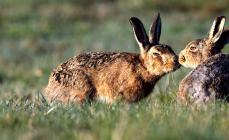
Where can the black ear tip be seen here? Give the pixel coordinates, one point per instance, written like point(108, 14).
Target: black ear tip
point(131, 19)
point(221, 18)
point(158, 16)
point(134, 19)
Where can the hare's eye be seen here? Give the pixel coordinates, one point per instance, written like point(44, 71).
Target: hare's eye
point(156, 54)
point(193, 48)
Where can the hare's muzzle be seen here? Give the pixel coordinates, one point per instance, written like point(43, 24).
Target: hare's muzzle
point(181, 59)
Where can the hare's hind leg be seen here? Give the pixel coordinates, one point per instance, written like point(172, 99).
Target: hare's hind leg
point(75, 87)
point(82, 87)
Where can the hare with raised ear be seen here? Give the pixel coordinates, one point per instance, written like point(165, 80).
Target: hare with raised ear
point(210, 78)
point(108, 76)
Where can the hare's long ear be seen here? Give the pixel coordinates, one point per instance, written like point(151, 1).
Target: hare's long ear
point(216, 29)
point(155, 30)
point(140, 34)
point(223, 40)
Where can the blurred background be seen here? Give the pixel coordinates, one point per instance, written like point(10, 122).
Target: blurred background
point(37, 35)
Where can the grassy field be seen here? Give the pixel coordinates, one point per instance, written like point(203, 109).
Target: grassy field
point(37, 35)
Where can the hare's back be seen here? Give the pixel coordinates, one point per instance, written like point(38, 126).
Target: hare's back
point(94, 60)
point(91, 66)
point(215, 66)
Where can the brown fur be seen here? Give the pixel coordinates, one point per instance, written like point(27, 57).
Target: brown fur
point(113, 76)
point(109, 76)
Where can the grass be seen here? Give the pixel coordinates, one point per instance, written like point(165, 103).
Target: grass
point(160, 117)
point(35, 36)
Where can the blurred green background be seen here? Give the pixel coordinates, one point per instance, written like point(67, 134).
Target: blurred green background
point(37, 35)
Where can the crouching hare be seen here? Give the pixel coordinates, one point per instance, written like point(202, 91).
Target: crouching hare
point(108, 76)
point(210, 78)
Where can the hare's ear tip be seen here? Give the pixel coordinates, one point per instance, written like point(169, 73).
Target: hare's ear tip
point(158, 15)
point(221, 17)
point(132, 19)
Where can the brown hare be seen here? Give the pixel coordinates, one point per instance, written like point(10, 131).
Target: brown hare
point(108, 76)
point(210, 78)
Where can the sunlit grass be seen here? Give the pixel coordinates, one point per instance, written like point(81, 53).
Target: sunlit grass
point(154, 118)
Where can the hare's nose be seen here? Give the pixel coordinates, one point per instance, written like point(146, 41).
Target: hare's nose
point(181, 59)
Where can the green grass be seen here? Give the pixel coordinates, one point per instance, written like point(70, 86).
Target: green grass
point(159, 117)
point(37, 35)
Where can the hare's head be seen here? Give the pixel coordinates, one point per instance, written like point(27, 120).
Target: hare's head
point(199, 50)
point(158, 58)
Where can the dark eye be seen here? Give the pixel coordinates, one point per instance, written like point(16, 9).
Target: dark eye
point(193, 48)
point(156, 54)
